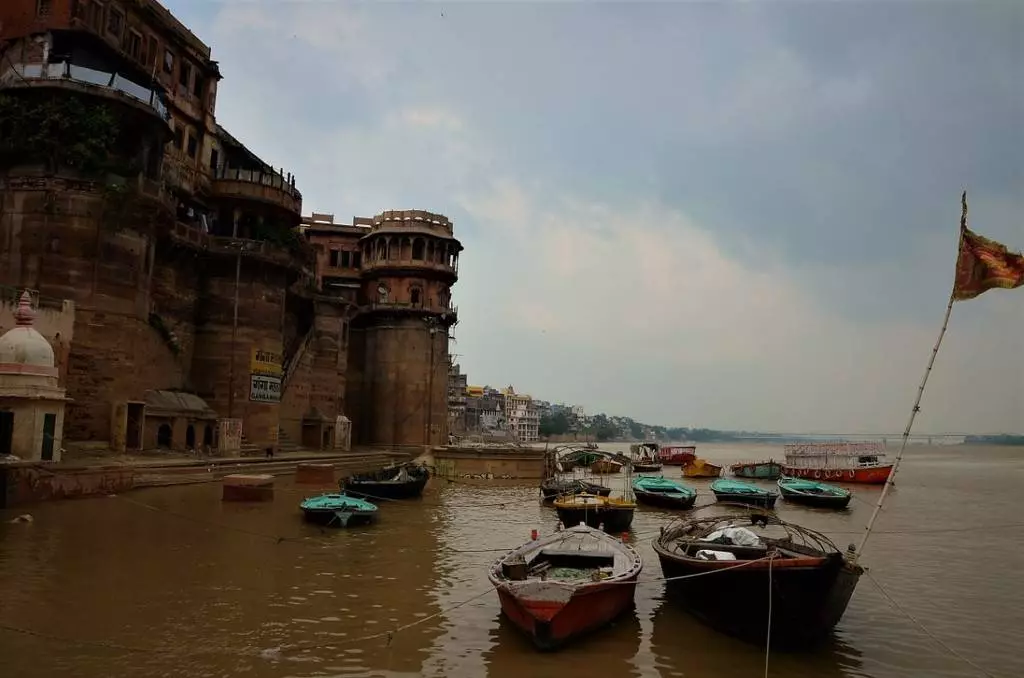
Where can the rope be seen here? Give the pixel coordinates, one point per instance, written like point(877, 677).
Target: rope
point(925, 630)
point(768, 639)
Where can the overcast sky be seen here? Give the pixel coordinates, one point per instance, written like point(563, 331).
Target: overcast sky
point(732, 215)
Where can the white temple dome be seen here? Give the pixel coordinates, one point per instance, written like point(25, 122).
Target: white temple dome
point(23, 345)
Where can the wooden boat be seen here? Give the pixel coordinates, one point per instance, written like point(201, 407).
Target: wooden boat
point(838, 461)
point(739, 492)
point(579, 508)
point(613, 513)
point(813, 493)
point(567, 584)
point(677, 455)
point(397, 482)
point(763, 470)
point(603, 466)
point(699, 468)
point(645, 458)
point(810, 580)
point(663, 492)
point(556, 487)
point(338, 510)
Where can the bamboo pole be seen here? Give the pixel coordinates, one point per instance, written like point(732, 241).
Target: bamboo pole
point(920, 390)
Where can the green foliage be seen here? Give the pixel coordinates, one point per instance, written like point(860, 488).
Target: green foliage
point(553, 425)
point(59, 131)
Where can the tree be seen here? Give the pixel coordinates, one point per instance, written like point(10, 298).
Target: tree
point(554, 425)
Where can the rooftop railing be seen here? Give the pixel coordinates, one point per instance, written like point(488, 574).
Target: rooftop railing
point(64, 70)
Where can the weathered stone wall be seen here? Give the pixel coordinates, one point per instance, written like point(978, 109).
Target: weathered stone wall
point(403, 389)
point(261, 300)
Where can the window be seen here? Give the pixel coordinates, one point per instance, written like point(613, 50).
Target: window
point(192, 145)
point(43, 7)
point(168, 61)
point(150, 54)
point(345, 259)
point(417, 249)
point(356, 257)
point(197, 86)
point(115, 22)
point(133, 44)
point(214, 159)
point(334, 257)
point(94, 15)
point(179, 137)
point(415, 296)
point(185, 74)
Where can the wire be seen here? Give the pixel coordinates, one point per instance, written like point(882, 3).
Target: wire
point(925, 630)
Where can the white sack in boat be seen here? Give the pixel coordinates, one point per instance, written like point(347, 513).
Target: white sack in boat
point(738, 536)
point(708, 554)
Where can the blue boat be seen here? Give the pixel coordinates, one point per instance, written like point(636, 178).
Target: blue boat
point(663, 492)
point(813, 493)
point(739, 492)
point(338, 510)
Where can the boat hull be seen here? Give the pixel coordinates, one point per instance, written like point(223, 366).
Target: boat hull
point(806, 601)
point(617, 518)
point(768, 470)
point(329, 518)
point(551, 619)
point(385, 490)
point(872, 475)
point(573, 516)
point(646, 468)
point(663, 500)
point(702, 470)
point(760, 500)
point(605, 467)
point(816, 500)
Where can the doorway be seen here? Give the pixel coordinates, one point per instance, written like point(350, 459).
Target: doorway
point(6, 433)
point(49, 428)
point(133, 428)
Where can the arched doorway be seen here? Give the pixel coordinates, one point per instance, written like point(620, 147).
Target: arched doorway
point(190, 437)
point(208, 436)
point(163, 436)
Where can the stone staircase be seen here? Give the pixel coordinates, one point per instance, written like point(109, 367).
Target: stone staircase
point(286, 444)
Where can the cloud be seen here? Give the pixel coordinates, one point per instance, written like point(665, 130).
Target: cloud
point(718, 214)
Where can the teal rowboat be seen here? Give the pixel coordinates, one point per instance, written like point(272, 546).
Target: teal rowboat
point(338, 510)
point(663, 492)
point(813, 493)
point(740, 492)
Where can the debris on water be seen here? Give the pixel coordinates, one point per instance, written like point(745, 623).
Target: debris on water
point(23, 518)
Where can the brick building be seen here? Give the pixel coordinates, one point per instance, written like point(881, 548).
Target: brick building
point(180, 251)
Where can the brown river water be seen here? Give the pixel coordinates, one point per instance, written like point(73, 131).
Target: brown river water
point(173, 582)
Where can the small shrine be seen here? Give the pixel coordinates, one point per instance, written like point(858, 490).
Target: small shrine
point(31, 399)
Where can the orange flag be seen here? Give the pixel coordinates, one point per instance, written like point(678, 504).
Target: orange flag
point(984, 264)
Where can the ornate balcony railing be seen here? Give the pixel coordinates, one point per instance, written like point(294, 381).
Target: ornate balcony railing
point(270, 186)
point(26, 74)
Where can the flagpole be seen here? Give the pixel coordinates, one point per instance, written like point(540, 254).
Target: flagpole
point(920, 390)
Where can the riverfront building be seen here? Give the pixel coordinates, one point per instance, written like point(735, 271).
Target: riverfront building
point(174, 260)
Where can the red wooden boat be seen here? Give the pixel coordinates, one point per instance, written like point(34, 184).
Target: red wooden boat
point(567, 584)
point(843, 462)
point(677, 455)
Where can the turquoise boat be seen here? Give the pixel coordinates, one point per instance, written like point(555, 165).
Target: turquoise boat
point(813, 493)
point(338, 510)
point(663, 492)
point(739, 492)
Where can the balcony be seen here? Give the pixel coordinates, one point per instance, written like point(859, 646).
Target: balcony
point(271, 188)
point(262, 250)
point(447, 317)
point(66, 75)
point(410, 267)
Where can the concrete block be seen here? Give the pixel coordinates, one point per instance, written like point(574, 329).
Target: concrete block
point(315, 474)
point(242, 487)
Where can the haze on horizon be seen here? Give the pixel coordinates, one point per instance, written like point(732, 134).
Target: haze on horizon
point(724, 215)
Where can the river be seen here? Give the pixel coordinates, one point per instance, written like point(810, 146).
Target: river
point(174, 582)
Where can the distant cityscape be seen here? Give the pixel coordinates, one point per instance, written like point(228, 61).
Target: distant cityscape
point(490, 412)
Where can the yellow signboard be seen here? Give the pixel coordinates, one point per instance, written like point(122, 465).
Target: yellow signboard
point(266, 363)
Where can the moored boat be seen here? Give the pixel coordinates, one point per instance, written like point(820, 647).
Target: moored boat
point(838, 461)
point(567, 584)
point(397, 482)
point(813, 493)
point(700, 468)
point(664, 493)
point(677, 455)
point(645, 458)
point(762, 470)
point(737, 491)
point(337, 510)
point(614, 514)
point(606, 466)
point(551, 488)
point(617, 514)
point(809, 579)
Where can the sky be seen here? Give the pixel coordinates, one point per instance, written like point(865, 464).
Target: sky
point(721, 214)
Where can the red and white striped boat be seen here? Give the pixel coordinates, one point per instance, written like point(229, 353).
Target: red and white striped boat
point(842, 462)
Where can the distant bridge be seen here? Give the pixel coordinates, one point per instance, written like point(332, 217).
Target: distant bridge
point(915, 439)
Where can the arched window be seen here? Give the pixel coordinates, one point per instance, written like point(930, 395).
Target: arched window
point(190, 437)
point(163, 436)
point(416, 297)
point(417, 249)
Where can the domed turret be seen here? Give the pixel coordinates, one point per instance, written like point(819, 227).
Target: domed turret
point(23, 345)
